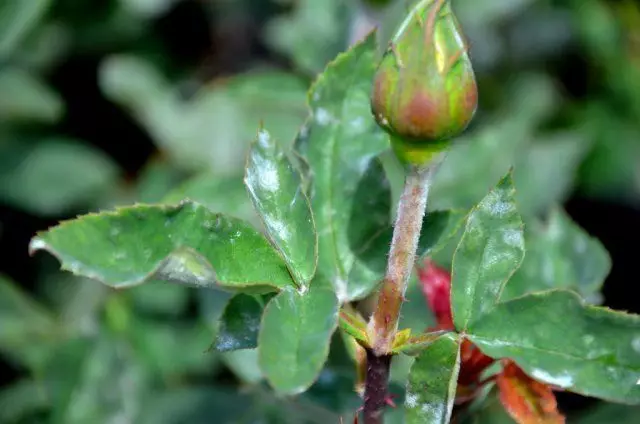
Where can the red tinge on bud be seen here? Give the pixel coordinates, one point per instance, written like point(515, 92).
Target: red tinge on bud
point(425, 90)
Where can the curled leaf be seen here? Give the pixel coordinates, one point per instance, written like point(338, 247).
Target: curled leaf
point(525, 399)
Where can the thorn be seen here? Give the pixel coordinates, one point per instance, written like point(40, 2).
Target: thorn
point(389, 400)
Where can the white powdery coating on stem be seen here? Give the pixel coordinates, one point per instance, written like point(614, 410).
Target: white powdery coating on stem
point(413, 205)
point(402, 255)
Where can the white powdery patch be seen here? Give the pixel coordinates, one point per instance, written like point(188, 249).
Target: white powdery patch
point(37, 244)
point(563, 380)
point(263, 139)
point(323, 117)
point(278, 228)
point(501, 208)
point(269, 174)
point(635, 343)
point(513, 238)
point(341, 289)
point(411, 400)
point(358, 124)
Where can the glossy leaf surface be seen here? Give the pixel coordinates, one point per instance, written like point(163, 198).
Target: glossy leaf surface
point(490, 251)
point(239, 324)
point(556, 339)
point(432, 383)
point(560, 254)
point(294, 338)
point(339, 143)
point(275, 188)
point(185, 244)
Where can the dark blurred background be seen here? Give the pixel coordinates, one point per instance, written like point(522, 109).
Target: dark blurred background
point(110, 102)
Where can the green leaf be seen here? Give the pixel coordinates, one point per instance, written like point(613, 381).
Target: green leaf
point(437, 229)
point(239, 324)
point(27, 99)
point(545, 173)
point(21, 399)
point(610, 413)
point(559, 340)
point(414, 346)
point(488, 409)
point(147, 9)
point(194, 405)
point(17, 19)
point(354, 325)
point(54, 176)
point(230, 109)
point(185, 244)
point(560, 254)
point(86, 382)
point(244, 365)
point(28, 330)
point(156, 180)
point(461, 182)
point(369, 231)
point(275, 188)
point(171, 349)
point(158, 297)
point(432, 382)
point(227, 195)
point(339, 143)
point(294, 338)
point(312, 35)
point(490, 251)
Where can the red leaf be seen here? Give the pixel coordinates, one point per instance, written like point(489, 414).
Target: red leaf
point(526, 400)
point(436, 286)
point(473, 363)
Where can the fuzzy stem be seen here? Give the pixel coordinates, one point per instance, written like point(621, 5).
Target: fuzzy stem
point(406, 233)
point(384, 322)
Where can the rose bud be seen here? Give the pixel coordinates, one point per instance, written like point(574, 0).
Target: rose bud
point(424, 90)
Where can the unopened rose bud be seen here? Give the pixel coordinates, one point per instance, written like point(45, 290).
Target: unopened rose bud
point(425, 90)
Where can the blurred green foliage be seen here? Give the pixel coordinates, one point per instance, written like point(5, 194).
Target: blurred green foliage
point(91, 354)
